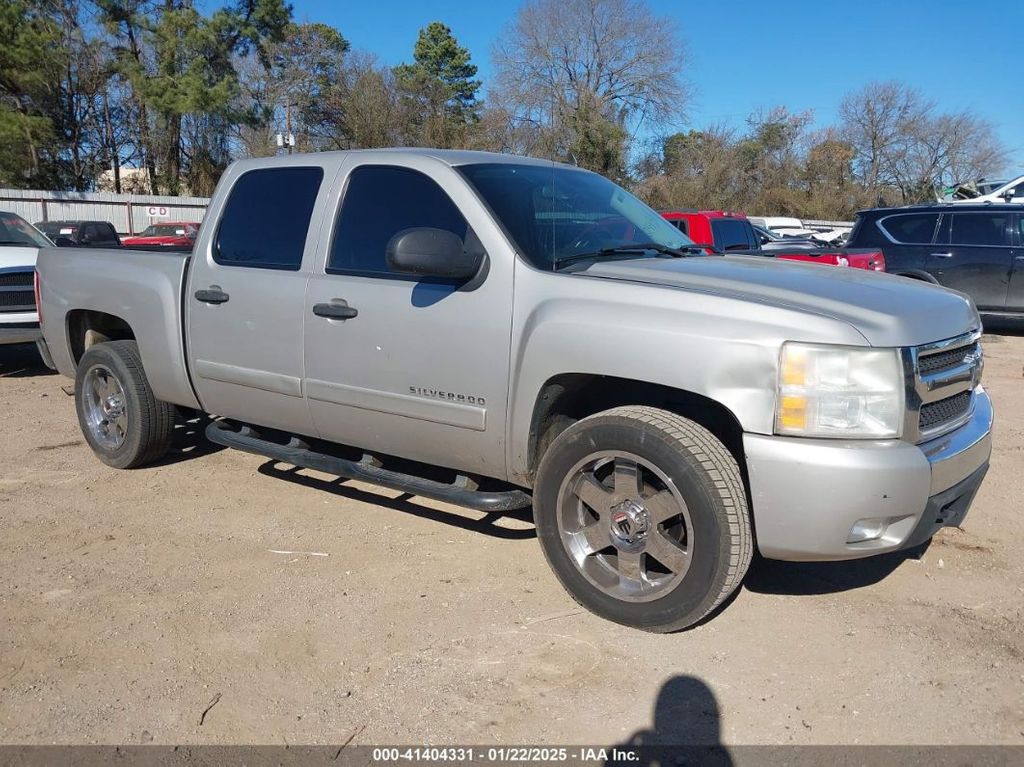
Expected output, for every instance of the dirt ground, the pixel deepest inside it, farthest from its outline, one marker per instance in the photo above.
(311, 611)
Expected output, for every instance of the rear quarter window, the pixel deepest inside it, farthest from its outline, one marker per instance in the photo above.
(266, 218)
(910, 228)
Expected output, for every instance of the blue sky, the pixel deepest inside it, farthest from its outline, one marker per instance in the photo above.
(803, 54)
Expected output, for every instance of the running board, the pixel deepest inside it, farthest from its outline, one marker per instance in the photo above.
(462, 492)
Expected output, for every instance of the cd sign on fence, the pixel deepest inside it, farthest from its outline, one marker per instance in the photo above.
(157, 211)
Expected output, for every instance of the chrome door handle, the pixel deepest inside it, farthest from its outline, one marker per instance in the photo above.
(942, 255)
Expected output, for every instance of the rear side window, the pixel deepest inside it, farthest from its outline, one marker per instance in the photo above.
(979, 229)
(266, 218)
(380, 202)
(912, 228)
(731, 234)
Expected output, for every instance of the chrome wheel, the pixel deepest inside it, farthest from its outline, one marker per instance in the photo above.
(625, 526)
(106, 407)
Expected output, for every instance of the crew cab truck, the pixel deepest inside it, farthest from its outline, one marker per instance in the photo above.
(465, 326)
(733, 233)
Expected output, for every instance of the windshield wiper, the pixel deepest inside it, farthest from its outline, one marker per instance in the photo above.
(640, 247)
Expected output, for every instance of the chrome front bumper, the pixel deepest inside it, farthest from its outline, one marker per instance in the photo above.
(808, 494)
(20, 333)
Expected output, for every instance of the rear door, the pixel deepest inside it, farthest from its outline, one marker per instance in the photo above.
(974, 256)
(246, 294)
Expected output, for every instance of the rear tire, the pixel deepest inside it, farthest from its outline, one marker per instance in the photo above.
(124, 424)
(642, 515)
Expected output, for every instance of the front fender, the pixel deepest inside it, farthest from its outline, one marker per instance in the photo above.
(722, 348)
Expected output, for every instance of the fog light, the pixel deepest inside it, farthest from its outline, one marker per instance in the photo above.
(867, 529)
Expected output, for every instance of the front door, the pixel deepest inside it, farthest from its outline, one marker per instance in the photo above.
(404, 365)
(246, 297)
(974, 257)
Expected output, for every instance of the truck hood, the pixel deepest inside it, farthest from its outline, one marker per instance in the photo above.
(887, 310)
(12, 256)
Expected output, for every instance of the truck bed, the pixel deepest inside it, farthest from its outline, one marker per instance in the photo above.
(143, 289)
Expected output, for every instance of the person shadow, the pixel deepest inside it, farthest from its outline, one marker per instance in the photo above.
(686, 730)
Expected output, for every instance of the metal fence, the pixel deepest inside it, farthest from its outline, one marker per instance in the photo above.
(129, 213)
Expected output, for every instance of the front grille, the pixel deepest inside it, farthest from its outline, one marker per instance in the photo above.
(17, 301)
(17, 292)
(943, 361)
(935, 414)
(940, 395)
(16, 279)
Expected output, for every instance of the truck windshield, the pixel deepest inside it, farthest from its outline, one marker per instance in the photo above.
(557, 215)
(14, 230)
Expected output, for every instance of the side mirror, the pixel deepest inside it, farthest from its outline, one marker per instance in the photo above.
(1009, 194)
(765, 239)
(64, 242)
(429, 252)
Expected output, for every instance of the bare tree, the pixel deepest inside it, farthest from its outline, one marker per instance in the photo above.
(877, 121)
(591, 72)
(900, 142)
(944, 150)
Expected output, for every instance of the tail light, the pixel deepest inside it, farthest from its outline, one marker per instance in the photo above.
(39, 301)
(878, 261)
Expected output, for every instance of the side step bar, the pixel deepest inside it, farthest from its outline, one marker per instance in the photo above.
(462, 492)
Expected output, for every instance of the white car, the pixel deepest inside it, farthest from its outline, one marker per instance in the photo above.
(19, 246)
(1009, 191)
(782, 225)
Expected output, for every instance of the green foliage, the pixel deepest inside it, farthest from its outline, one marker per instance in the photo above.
(31, 60)
(437, 90)
(180, 63)
(596, 142)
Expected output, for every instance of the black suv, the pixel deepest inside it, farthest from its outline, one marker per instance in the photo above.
(974, 248)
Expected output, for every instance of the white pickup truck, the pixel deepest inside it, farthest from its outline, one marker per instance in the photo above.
(497, 331)
(19, 247)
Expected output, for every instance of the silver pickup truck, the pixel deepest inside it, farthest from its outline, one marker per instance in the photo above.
(497, 332)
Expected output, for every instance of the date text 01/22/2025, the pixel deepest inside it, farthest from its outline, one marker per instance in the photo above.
(504, 754)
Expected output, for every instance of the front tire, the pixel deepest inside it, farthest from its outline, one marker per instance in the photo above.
(643, 517)
(124, 424)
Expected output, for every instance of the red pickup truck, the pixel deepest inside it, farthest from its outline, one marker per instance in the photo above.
(181, 234)
(730, 232)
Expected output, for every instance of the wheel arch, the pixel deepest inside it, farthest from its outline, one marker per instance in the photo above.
(916, 274)
(568, 397)
(87, 327)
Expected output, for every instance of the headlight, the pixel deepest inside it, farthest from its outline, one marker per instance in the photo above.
(839, 391)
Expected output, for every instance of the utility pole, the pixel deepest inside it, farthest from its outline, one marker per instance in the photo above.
(289, 139)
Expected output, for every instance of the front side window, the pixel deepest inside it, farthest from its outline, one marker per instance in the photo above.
(381, 201)
(266, 218)
(912, 228)
(556, 215)
(979, 229)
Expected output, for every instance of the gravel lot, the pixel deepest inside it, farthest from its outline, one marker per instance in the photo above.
(308, 610)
